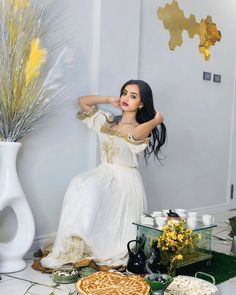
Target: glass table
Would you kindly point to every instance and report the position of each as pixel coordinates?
(203, 246)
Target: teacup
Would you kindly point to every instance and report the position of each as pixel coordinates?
(176, 221)
(192, 222)
(156, 214)
(183, 216)
(180, 211)
(161, 221)
(165, 211)
(207, 219)
(192, 214)
(147, 220)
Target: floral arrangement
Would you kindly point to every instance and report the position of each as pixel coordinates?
(29, 86)
(175, 243)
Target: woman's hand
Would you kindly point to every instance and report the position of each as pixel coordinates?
(159, 118)
(143, 130)
(114, 101)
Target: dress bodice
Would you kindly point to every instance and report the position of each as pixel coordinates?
(115, 147)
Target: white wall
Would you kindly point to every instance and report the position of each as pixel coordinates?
(232, 176)
(58, 150)
(114, 41)
(198, 113)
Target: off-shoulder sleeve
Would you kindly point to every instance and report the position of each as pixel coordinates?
(95, 118)
(137, 146)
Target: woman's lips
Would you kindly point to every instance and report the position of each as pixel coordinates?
(124, 104)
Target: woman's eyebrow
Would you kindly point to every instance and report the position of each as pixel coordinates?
(134, 93)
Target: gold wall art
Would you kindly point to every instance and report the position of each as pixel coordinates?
(175, 22)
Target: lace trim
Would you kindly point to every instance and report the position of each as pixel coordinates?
(73, 249)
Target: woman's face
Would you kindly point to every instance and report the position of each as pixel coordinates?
(130, 99)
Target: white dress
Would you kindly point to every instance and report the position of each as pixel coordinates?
(100, 205)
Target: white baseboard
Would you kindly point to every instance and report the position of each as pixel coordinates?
(39, 243)
(219, 208)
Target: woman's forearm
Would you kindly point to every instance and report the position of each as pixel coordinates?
(86, 102)
(143, 130)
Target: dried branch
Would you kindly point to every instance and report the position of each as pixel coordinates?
(32, 282)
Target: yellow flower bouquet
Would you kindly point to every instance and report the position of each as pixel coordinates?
(29, 84)
(176, 243)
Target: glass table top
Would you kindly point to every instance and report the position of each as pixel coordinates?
(199, 227)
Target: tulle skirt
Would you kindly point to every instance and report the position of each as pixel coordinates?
(97, 215)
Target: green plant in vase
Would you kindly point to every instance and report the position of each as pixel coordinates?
(176, 243)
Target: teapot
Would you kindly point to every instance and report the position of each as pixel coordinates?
(172, 214)
(137, 259)
(154, 261)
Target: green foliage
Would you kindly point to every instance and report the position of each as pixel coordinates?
(222, 267)
(70, 293)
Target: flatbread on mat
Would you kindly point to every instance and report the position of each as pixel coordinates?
(112, 283)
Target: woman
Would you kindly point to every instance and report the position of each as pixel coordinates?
(100, 205)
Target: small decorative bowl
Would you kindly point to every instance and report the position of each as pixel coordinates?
(158, 281)
(65, 276)
(86, 271)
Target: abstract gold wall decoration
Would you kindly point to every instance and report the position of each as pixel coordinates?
(175, 22)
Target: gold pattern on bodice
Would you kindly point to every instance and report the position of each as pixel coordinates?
(110, 149)
(117, 147)
(106, 128)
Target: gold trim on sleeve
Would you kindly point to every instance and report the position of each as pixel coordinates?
(84, 115)
(130, 139)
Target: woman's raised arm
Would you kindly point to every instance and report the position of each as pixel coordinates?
(86, 102)
(143, 130)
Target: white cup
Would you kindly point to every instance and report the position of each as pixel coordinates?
(180, 211)
(147, 220)
(156, 214)
(174, 221)
(165, 211)
(207, 219)
(183, 216)
(161, 221)
(192, 222)
(192, 214)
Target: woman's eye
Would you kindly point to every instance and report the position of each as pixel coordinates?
(123, 93)
(133, 96)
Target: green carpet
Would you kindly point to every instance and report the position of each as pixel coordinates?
(222, 267)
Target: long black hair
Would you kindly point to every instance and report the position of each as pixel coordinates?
(146, 113)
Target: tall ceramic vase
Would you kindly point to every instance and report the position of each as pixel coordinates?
(12, 195)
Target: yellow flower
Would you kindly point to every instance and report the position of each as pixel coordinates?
(176, 241)
(20, 4)
(179, 257)
(180, 237)
(199, 236)
(36, 59)
(13, 33)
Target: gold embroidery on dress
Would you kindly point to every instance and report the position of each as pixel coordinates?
(106, 129)
(83, 115)
(110, 149)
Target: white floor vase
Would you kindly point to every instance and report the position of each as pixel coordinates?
(12, 195)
